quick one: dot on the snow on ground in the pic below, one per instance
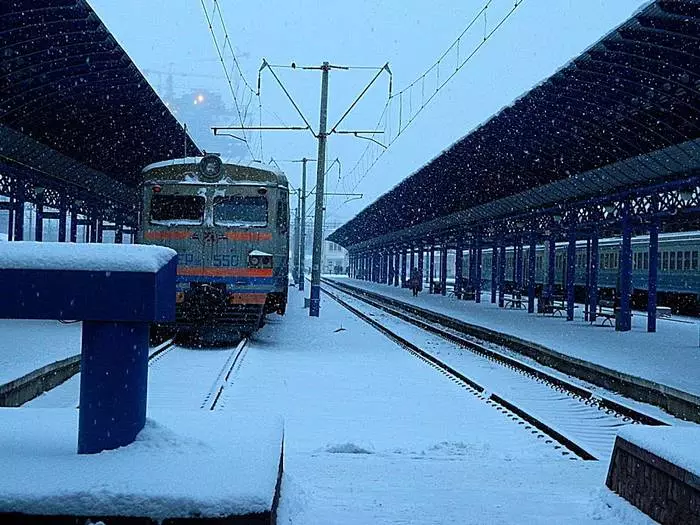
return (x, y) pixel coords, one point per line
(373, 435)
(671, 356)
(26, 345)
(184, 462)
(678, 445)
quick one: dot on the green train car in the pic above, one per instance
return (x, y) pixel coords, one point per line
(230, 227)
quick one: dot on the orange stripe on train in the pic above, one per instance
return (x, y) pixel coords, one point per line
(224, 272)
(247, 298)
(175, 235)
(249, 236)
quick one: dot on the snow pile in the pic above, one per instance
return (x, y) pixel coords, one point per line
(677, 445)
(89, 257)
(196, 463)
(347, 448)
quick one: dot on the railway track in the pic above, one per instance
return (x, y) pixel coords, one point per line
(232, 363)
(547, 405)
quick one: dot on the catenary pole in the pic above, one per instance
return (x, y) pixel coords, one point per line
(315, 303)
(302, 237)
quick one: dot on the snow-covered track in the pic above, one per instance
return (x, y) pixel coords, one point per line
(574, 416)
(224, 376)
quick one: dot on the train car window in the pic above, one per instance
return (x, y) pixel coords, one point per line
(686, 261)
(177, 209)
(240, 210)
(694, 265)
(672, 260)
(646, 260)
(664, 261)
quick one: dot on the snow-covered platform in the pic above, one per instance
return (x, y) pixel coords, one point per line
(668, 358)
(183, 466)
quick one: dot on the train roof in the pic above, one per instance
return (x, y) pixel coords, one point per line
(186, 170)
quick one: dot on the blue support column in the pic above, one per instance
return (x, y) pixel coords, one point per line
(412, 264)
(11, 219)
(570, 274)
(593, 286)
(73, 226)
(458, 268)
(531, 254)
(100, 231)
(39, 223)
(421, 263)
(477, 277)
(586, 311)
(431, 268)
(502, 274)
(518, 262)
(18, 234)
(494, 272)
(653, 273)
(443, 270)
(403, 267)
(624, 322)
(114, 359)
(551, 259)
(397, 263)
(62, 221)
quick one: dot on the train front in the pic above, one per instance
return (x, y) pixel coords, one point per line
(229, 225)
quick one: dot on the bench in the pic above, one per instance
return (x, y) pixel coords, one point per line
(513, 301)
(663, 311)
(606, 311)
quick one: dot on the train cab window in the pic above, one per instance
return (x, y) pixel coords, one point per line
(177, 209)
(241, 211)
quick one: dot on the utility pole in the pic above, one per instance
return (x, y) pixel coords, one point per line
(315, 304)
(295, 246)
(302, 237)
(322, 136)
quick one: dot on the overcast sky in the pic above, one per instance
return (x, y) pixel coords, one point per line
(540, 37)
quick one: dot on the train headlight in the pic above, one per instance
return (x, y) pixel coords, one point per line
(210, 168)
(254, 260)
(267, 261)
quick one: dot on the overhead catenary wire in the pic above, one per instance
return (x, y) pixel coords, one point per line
(364, 165)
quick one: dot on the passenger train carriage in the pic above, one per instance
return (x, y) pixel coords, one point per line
(678, 280)
(230, 226)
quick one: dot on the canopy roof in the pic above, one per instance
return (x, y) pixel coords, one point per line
(66, 83)
(632, 93)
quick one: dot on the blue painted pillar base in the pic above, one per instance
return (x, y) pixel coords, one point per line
(113, 383)
(315, 303)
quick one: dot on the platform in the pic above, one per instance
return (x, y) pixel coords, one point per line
(184, 464)
(671, 356)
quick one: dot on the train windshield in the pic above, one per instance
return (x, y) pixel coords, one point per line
(239, 210)
(177, 209)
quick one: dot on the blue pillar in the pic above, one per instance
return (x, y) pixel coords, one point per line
(653, 271)
(570, 274)
(458, 268)
(421, 263)
(62, 221)
(403, 267)
(502, 274)
(413, 260)
(11, 219)
(494, 272)
(39, 224)
(624, 323)
(431, 268)
(518, 260)
(73, 226)
(443, 269)
(93, 228)
(593, 287)
(397, 263)
(100, 230)
(477, 276)
(531, 254)
(551, 259)
(18, 234)
(107, 420)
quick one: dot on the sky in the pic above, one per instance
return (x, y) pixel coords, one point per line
(537, 39)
